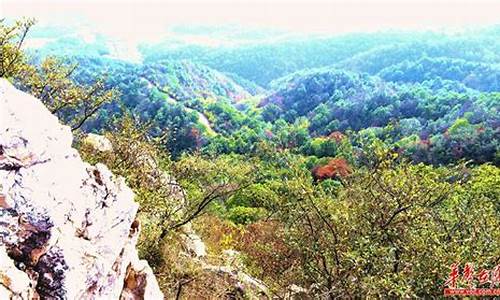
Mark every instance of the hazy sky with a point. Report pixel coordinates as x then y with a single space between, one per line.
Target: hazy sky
134 19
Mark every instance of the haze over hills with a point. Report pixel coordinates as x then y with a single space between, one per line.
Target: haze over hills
324 79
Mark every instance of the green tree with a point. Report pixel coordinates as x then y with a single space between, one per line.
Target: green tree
12 37
392 230
51 81
73 103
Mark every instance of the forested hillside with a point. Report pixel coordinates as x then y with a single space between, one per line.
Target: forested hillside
428 122
349 166
262 62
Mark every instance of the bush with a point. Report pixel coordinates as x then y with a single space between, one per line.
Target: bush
245 215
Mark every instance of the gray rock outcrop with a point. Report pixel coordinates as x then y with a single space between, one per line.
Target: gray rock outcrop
98 142
68 230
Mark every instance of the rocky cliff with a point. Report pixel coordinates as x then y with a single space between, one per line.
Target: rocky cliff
68 230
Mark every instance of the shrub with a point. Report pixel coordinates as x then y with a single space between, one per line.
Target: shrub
245 215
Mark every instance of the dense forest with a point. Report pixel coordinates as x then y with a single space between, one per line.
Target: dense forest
359 165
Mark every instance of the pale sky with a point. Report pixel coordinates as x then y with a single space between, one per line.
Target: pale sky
137 19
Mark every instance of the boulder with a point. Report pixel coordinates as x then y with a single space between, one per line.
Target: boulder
98 142
192 242
68 230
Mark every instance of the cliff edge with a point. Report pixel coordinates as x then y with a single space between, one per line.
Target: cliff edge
68 230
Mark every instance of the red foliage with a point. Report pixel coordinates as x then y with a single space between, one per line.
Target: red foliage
195 134
336 168
337 136
264 243
425 143
269 134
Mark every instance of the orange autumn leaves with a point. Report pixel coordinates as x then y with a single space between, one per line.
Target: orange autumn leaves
335 169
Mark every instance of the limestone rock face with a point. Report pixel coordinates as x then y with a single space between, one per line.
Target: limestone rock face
98 142
193 243
68 230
